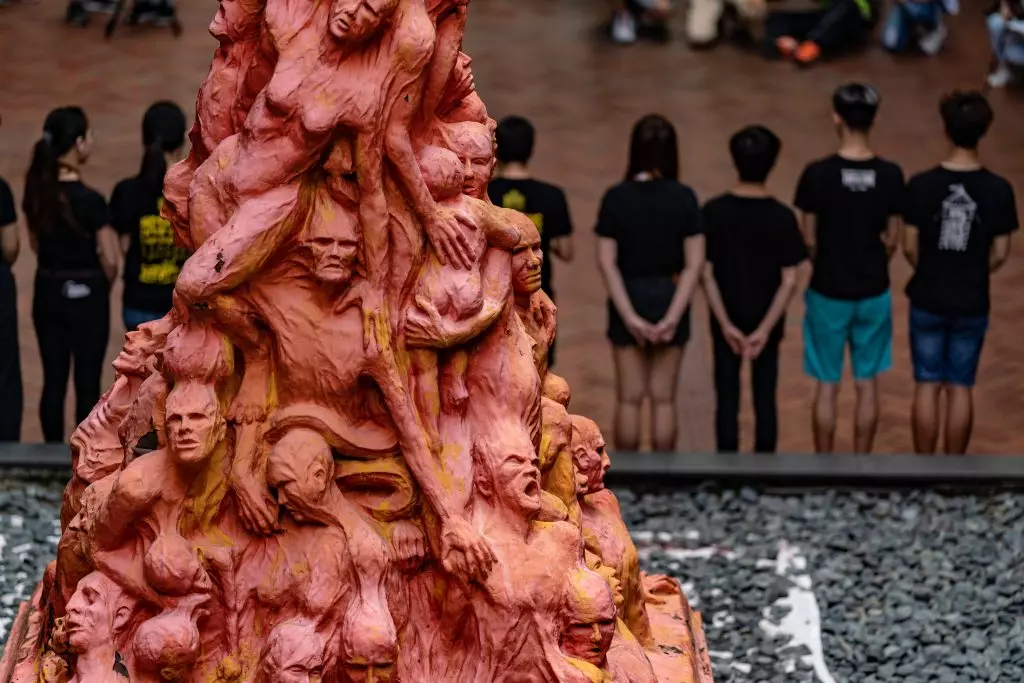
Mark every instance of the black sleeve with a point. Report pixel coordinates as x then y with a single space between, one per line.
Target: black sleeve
693 220
710 233
606 224
807 191
557 223
8 215
97 215
910 205
897 192
792 250
1004 217
123 217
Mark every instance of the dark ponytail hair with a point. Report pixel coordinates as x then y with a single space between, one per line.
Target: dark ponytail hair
163 131
653 148
44 203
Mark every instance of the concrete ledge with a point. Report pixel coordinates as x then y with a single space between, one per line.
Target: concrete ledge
682 469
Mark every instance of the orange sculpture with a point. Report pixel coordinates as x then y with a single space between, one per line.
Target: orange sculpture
341 457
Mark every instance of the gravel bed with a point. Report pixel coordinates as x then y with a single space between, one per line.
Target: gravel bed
916 587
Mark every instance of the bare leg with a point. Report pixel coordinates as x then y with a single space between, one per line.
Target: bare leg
457 393
664 376
824 417
631 385
959 418
866 419
427 392
926 417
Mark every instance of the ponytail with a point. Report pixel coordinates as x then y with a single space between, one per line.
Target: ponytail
163 131
44 203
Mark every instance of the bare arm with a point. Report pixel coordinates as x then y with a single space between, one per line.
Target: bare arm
693 250
110 251
910 240
999 253
714 296
133 494
809 230
891 236
10 243
780 301
563 248
607 253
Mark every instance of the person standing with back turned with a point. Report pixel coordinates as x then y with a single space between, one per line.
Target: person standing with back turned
152 259
11 396
959 217
543 203
77 250
850 205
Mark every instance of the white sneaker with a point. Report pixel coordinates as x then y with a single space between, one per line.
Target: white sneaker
1001 77
623 28
931 42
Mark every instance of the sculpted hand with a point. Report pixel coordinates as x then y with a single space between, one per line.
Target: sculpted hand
250 404
448 239
465 553
424 326
408 544
257 508
654 585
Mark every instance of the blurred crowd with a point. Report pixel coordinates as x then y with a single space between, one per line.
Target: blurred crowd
805 31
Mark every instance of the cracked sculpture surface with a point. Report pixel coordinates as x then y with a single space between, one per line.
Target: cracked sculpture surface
341 457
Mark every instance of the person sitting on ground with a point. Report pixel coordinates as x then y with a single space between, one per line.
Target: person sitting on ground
918 22
639 17
959 216
1006 31
753 250
827 28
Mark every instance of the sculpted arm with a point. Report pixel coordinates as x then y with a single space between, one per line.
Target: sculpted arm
132 495
449 41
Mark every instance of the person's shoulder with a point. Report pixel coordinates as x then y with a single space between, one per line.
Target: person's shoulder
997 181
126 187
79 191
926 176
888 166
681 191
4 187
718 201
820 163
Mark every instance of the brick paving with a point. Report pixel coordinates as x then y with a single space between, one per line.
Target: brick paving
541 58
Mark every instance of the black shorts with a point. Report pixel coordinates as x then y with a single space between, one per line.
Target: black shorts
651 298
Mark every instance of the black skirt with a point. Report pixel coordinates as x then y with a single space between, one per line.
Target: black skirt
651 298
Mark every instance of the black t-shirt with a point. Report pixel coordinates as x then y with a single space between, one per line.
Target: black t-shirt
852 202
72 247
7 213
749 241
544 204
153 260
957 214
649 220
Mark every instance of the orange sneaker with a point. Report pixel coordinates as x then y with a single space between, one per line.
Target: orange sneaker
786 45
808 53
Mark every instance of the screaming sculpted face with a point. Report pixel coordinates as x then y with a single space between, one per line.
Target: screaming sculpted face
194 423
526 263
357 20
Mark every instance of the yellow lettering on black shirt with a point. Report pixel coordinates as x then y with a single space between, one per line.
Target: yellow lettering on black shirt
161 257
515 200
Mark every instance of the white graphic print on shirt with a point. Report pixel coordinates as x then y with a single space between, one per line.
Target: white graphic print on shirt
958 211
858 179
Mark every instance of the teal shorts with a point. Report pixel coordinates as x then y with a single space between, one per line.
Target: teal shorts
831 324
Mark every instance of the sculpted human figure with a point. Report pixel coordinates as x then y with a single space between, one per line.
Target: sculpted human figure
558 476
311 305
533 306
604 531
99 615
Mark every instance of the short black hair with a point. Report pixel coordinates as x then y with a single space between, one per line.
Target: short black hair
514 136
967 117
653 148
857 105
754 151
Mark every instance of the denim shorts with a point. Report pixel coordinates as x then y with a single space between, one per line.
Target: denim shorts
946 349
832 324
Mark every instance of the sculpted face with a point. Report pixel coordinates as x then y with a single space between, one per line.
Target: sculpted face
293 654
301 468
334 243
93 613
474 145
526 263
194 424
442 172
589 618
132 358
356 20
369 673
588 455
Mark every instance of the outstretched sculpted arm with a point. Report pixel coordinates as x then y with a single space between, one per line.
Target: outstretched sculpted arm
132 495
450 29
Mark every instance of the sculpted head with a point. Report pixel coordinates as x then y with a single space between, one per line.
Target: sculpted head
461 84
557 389
368 653
333 241
527 259
95 444
167 646
358 20
140 345
508 469
588 617
301 469
442 172
473 143
196 358
293 654
556 433
97 614
588 455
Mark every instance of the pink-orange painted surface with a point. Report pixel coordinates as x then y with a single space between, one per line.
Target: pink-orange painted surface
362 472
